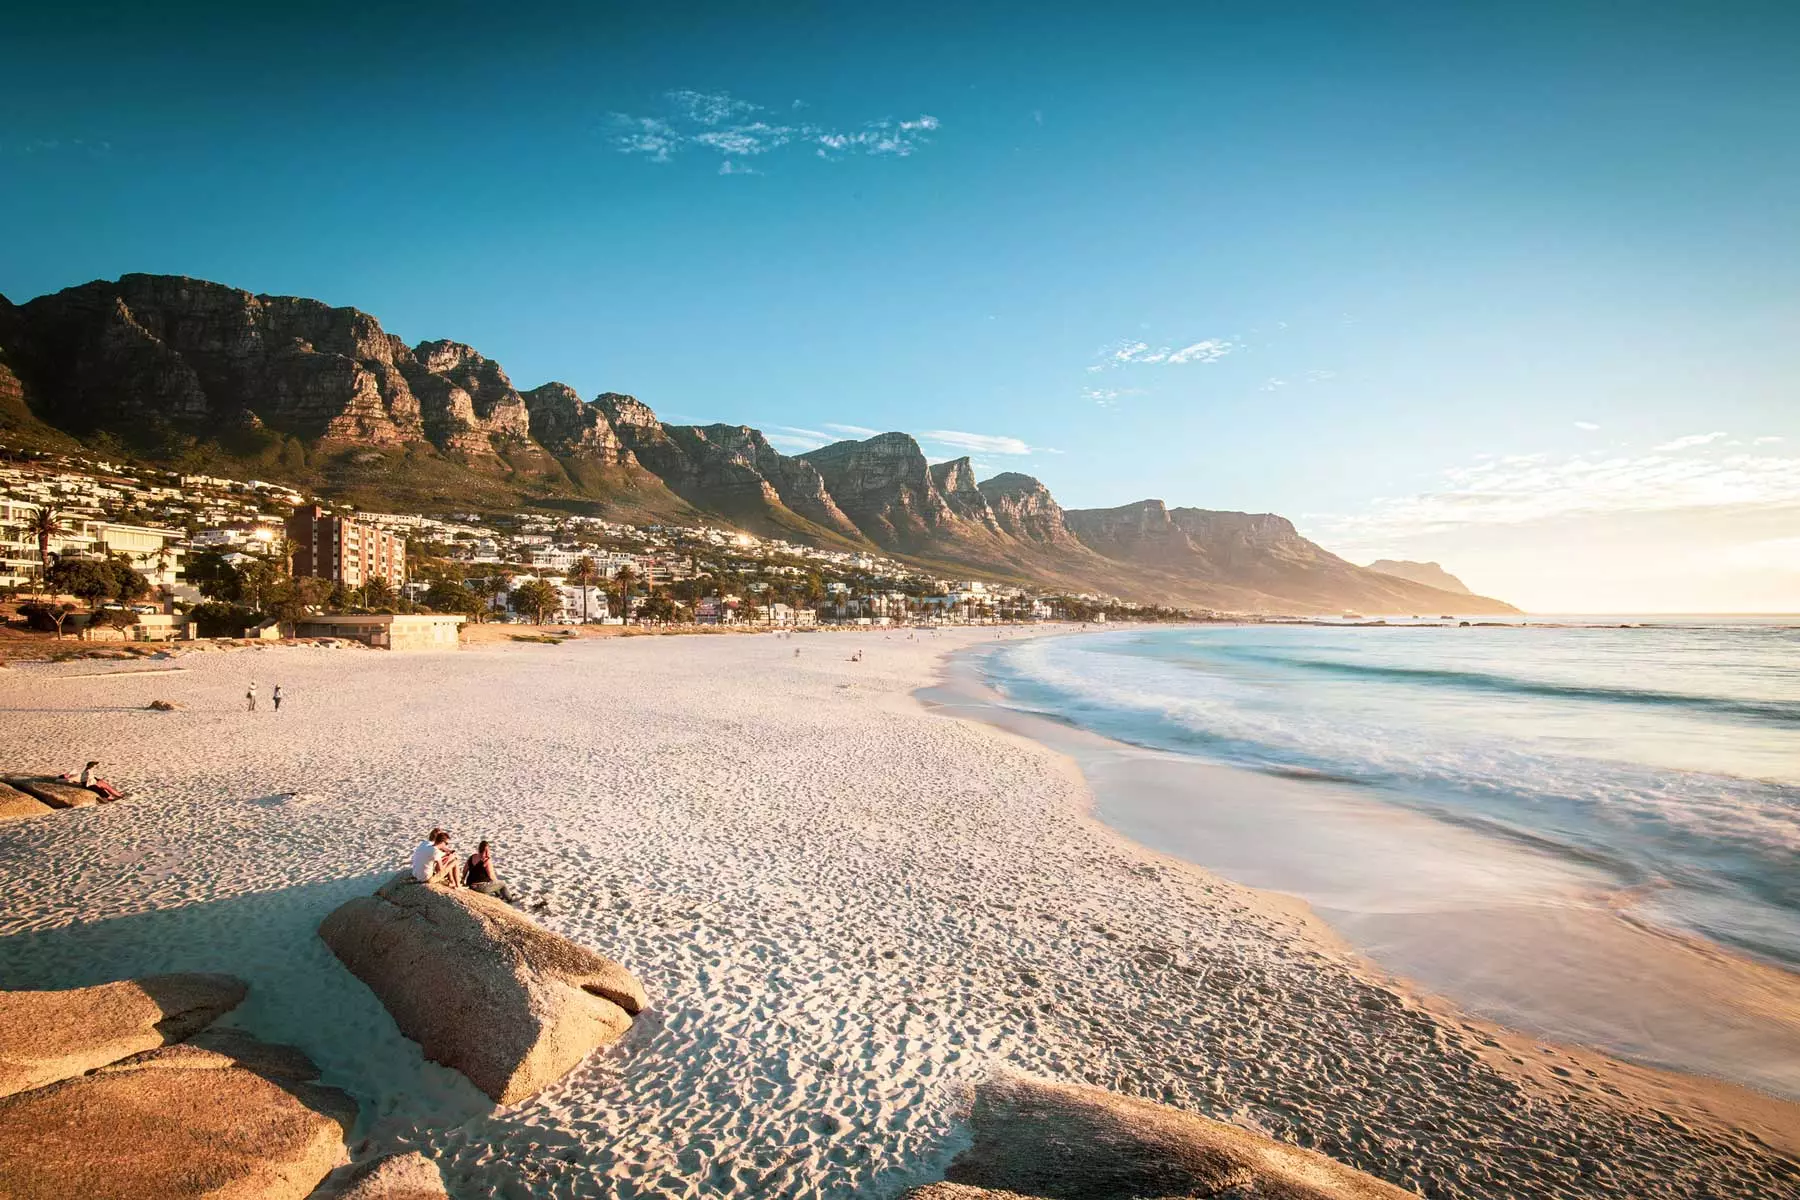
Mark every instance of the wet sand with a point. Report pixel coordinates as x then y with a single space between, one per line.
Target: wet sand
1521 937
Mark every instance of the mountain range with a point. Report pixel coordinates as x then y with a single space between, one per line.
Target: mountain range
197 374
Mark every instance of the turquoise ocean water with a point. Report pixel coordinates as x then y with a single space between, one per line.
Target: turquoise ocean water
1667 754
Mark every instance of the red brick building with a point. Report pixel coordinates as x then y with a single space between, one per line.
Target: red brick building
344 551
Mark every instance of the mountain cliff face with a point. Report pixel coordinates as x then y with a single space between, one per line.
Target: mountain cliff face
324 396
1024 509
885 487
1428 573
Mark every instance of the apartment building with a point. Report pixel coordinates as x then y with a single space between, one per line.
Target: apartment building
345 551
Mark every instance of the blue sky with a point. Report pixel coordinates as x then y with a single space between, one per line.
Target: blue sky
1434 283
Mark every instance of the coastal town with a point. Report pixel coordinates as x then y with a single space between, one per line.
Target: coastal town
110 551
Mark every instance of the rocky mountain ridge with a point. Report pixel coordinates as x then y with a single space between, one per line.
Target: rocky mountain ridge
174 367
1428 573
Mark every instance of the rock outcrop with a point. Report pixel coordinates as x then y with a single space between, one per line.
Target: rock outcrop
885 487
174 1124
16 805
1025 509
482 988
565 424
409 1176
51 1035
101 1096
56 793
1060 1141
731 470
1428 573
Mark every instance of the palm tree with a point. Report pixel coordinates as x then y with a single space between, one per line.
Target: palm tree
625 577
45 524
584 574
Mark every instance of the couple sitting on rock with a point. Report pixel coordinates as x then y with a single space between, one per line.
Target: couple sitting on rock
90 779
434 862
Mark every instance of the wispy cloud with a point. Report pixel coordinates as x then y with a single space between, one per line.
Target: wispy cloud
791 437
852 430
1688 442
1587 426
981 443
1135 353
1109 397
719 123
92 146
1682 474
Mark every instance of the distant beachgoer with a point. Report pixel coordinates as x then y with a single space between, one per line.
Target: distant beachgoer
796 652
250 697
478 875
93 783
276 697
432 861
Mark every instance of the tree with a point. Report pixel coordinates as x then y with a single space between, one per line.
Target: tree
659 607
623 578
537 597
256 581
98 580
583 576
117 618
499 586
448 596
290 599
45 524
377 594
52 615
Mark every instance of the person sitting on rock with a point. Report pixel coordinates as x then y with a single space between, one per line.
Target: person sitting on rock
432 861
97 785
478 874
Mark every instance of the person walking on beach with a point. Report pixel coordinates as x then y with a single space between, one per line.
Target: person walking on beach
250 697
276 697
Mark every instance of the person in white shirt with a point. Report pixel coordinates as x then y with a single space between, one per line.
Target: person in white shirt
432 861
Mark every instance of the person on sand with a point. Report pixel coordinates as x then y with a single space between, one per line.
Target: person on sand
432 861
276 697
93 783
250 697
478 874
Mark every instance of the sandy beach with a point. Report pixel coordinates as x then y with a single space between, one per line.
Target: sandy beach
845 904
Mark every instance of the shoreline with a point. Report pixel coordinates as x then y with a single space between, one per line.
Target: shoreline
847 909
1677 981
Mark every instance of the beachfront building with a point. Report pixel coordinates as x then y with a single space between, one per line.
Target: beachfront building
573 598
157 553
387 631
345 551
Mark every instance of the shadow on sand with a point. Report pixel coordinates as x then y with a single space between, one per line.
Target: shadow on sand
300 995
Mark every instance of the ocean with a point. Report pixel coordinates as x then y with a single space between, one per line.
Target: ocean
1664 757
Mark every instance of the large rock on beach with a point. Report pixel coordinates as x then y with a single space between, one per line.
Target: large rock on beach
54 792
481 987
409 1176
176 1123
47 1036
16 805
1058 1141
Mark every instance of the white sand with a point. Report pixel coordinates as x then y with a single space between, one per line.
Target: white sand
842 905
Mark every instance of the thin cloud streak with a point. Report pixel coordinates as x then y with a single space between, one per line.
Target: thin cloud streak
738 129
1135 353
981 443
